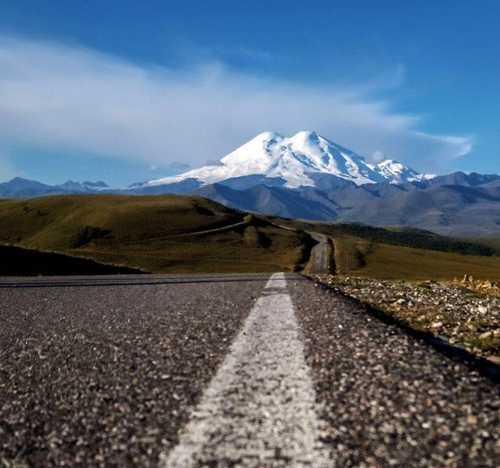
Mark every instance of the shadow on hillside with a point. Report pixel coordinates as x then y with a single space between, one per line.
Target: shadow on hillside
17 261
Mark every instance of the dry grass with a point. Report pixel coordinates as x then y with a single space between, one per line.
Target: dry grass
349 254
382 261
152 233
58 222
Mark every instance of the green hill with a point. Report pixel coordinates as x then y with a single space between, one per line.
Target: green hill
173 234
359 257
156 234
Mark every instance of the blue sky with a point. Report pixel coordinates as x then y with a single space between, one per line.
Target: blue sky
120 90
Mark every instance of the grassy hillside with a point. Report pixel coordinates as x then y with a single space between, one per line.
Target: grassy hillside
66 222
359 257
172 234
157 234
409 254
405 237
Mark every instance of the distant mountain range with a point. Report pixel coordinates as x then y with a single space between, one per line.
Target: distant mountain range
309 177
24 188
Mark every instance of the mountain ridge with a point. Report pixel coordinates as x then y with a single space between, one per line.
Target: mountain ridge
309 177
294 159
454 204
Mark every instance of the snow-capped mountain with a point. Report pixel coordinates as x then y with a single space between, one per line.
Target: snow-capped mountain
397 173
87 186
295 160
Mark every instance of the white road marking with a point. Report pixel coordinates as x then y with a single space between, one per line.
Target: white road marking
258 410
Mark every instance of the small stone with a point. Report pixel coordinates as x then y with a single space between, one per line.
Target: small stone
471 420
486 335
482 309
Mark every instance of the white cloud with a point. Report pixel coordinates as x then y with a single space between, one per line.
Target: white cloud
75 99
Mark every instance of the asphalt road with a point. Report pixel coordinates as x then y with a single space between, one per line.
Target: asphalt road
228 370
319 261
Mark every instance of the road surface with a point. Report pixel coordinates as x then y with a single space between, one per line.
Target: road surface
226 370
321 255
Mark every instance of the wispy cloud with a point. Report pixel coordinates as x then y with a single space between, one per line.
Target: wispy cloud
79 100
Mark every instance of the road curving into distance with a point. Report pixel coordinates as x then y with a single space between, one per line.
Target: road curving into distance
320 261
226 370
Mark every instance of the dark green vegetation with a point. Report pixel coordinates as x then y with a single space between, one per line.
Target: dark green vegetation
492 242
405 237
16 261
164 234
415 238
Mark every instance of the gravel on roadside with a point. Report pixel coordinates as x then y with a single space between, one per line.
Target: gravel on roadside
389 399
463 315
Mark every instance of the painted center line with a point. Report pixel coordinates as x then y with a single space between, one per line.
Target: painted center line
258 410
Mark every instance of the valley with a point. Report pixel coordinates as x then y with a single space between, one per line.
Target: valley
179 234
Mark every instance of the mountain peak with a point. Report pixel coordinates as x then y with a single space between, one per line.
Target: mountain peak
388 162
306 136
266 136
297 160
20 179
397 172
